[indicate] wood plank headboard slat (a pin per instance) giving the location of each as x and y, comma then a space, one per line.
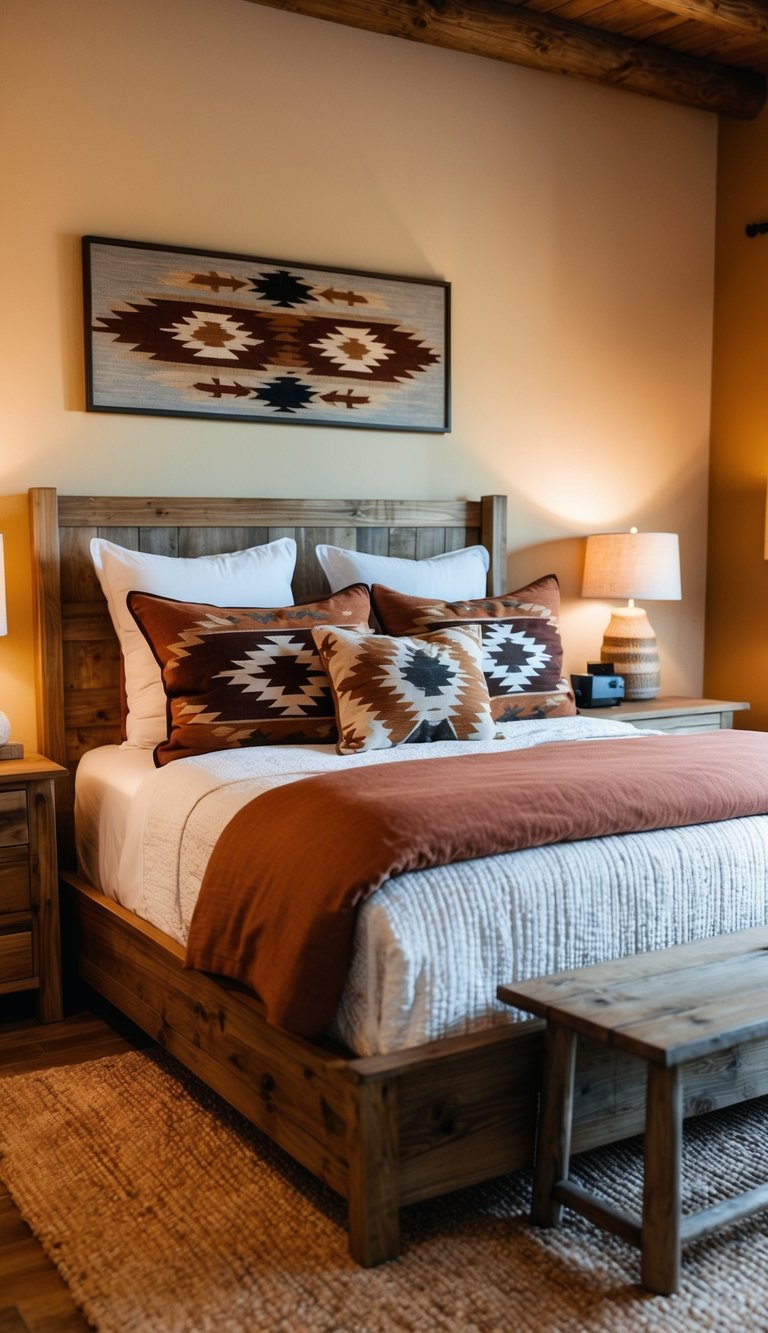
127, 511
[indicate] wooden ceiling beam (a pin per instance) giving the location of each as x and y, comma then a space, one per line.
747, 17
523, 37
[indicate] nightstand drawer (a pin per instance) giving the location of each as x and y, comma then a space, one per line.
680, 724
13, 818
16, 960
670, 712
14, 879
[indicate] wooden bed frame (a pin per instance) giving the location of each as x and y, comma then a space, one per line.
383, 1131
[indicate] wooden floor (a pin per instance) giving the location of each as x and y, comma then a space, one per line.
33, 1298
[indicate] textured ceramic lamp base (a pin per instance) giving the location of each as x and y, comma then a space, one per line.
630, 644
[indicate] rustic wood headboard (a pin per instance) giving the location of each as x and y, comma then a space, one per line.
77, 653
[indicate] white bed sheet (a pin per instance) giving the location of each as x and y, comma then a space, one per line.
108, 780
430, 946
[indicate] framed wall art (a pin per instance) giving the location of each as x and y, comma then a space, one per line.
174, 331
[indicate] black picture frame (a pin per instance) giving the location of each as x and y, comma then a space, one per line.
180, 331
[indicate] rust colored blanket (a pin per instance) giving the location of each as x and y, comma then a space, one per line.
277, 905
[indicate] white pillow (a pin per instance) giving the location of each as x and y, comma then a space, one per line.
260, 576
454, 576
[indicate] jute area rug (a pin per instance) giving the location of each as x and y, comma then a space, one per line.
163, 1210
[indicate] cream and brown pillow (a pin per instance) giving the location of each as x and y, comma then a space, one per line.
396, 691
522, 649
241, 676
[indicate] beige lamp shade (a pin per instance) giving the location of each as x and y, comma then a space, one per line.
633, 565
642, 565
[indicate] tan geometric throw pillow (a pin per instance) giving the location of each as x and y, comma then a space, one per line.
522, 649
241, 676
401, 691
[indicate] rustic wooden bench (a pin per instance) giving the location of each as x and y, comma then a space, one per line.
668, 1008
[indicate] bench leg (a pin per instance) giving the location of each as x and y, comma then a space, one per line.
662, 1187
553, 1142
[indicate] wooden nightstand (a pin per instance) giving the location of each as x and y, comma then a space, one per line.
30, 947
669, 713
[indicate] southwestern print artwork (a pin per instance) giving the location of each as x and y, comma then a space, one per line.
179, 332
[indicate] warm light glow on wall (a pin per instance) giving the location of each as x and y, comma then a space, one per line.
3, 616
579, 496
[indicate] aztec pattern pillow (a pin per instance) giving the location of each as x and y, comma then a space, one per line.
522, 649
237, 676
400, 691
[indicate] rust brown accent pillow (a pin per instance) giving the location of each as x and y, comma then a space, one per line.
522, 648
241, 676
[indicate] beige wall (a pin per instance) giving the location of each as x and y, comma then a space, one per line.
737, 604
575, 224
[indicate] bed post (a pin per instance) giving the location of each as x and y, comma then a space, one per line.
373, 1188
493, 535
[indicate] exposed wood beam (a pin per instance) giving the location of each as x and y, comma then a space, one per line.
749, 17
522, 37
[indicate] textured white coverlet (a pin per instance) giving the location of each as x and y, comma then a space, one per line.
431, 946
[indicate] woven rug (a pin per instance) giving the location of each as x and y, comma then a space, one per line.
163, 1210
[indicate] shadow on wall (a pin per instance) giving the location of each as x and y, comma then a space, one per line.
564, 556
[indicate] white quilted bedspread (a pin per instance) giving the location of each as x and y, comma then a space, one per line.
432, 946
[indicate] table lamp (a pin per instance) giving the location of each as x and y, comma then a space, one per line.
633, 565
5, 726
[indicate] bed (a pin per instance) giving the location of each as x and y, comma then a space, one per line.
383, 1130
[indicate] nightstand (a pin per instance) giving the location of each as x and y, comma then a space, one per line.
30, 947
670, 713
